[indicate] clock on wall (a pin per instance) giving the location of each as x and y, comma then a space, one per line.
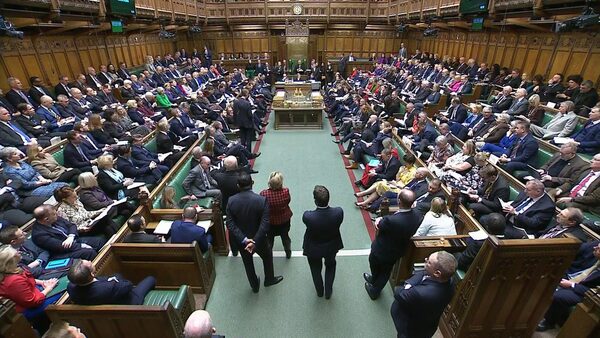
297, 9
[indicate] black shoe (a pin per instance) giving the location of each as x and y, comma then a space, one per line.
254, 155
544, 326
335, 141
234, 253
320, 294
368, 278
358, 183
288, 254
254, 171
371, 292
327, 295
334, 134
257, 287
275, 280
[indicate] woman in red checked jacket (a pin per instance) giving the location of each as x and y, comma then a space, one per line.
280, 213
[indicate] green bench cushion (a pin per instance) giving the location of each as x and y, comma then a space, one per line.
513, 193
547, 118
59, 156
175, 297
151, 145
460, 275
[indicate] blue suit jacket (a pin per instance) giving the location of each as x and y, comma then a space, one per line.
102, 292
45, 115
178, 128
588, 138
528, 147
142, 156
417, 308
186, 232
322, 237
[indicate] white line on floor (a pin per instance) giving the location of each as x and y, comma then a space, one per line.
341, 253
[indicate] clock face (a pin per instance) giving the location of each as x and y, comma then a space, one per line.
297, 9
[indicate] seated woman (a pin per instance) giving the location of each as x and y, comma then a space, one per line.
162, 100
167, 201
98, 132
405, 174
94, 198
112, 181
472, 179
71, 209
127, 91
438, 221
457, 165
47, 166
29, 181
112, 126
128, 124
536, 111
441, 152
502, 146
28, 293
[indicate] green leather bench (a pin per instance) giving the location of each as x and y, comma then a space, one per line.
541, 157
177, 298
59, 156
177, 183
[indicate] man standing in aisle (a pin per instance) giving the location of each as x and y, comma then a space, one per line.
248, 223
394, 233
242, 113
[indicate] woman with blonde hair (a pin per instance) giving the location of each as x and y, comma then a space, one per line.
280, 214
457, 165
112, 181
167, 200
28, 293
94, 198
536, 111
46, 165
438, 221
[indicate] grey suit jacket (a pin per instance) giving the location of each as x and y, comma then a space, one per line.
519, 107
195, 185
560, 125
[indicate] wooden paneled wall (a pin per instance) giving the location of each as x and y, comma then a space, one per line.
52, 56
533, 53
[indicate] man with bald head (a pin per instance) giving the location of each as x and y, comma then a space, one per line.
54, 120
199, 325
394, 233
419, 303
520, 104
78, 103
199, 183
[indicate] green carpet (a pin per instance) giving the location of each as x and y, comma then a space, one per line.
291, 308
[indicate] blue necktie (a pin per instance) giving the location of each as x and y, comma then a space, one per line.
81, 153
522, 204
18, 131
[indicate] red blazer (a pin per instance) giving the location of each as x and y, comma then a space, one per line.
279, 205
20, 288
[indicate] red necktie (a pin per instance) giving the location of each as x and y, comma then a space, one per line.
581, 184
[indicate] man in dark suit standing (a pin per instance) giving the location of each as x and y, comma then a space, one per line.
242, 112
248, 223
137, 226
85, 288
394, 233
322, 239
418, 305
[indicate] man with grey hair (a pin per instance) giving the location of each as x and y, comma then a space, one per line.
419, 303
199, 325
520, 104
199, 183
529, 213
561, 168
502, 101
562, 124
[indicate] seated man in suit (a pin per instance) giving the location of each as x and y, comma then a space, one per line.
37, 89
562, 124
62, 87
142, 156
567, 221
583, 192
54, 120
564, 167
520, 104
522, 152
496, 225
199, 183
35, 126
187, 231
488, 196
16, 94
59, 236
65, 109
386, 171
569, 293
137, 226
418, 305
588, 138
74, 155
79, 104
434, 189
32, 256
502, 101
392, 238
12, 134
456, 113
148, 173
371, 148
85, 288
531, 211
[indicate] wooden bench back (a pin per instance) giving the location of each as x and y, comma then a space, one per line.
508, 288
131, 321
